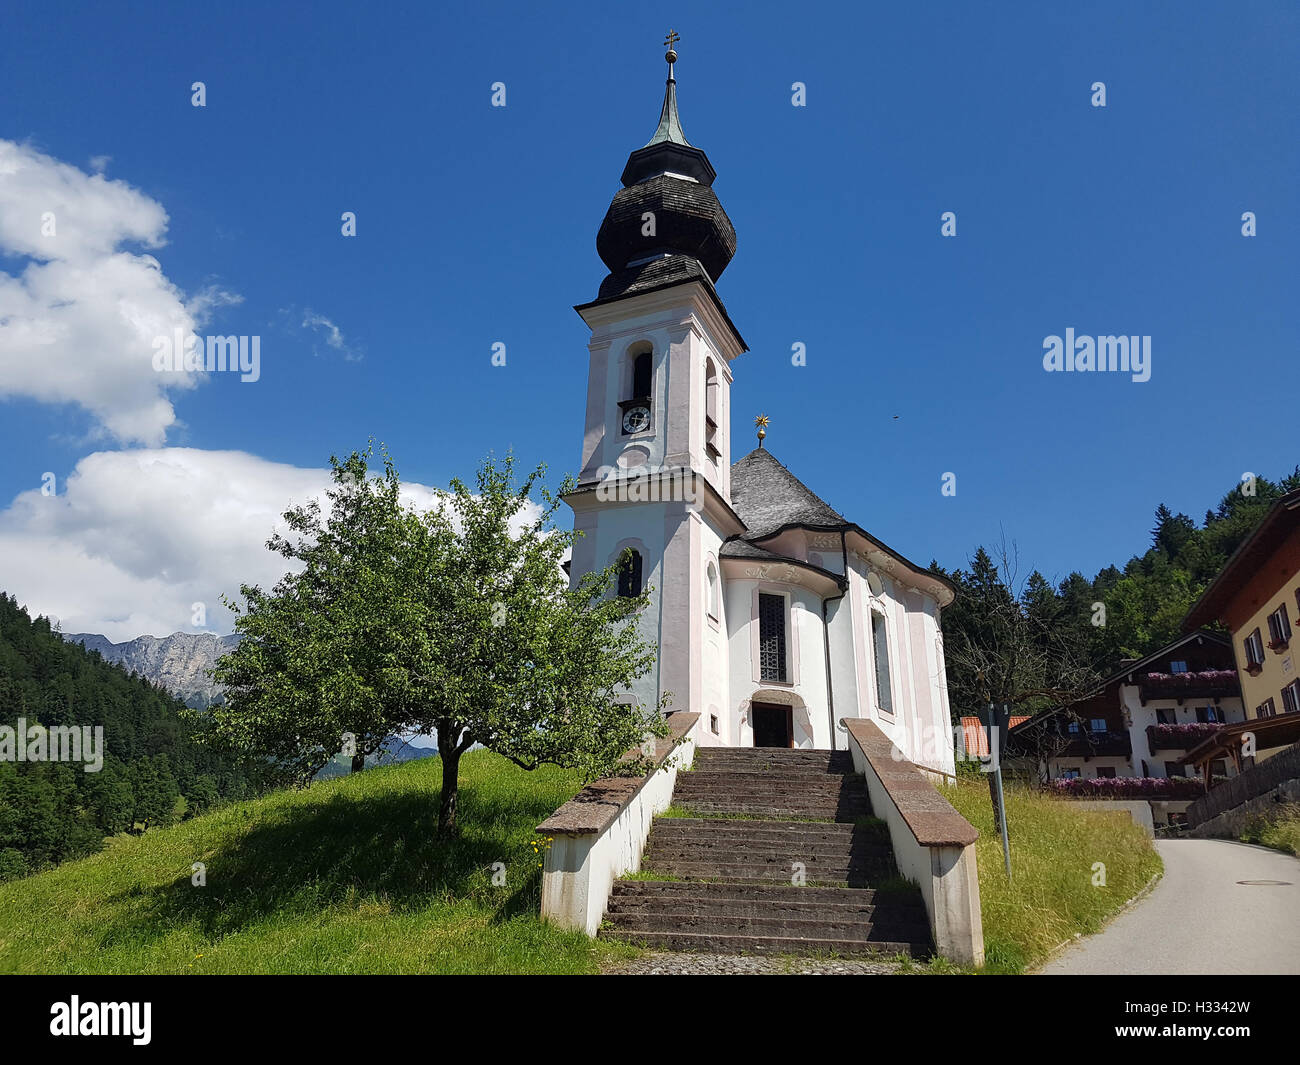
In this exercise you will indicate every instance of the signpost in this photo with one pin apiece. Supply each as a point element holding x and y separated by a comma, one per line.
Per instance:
<point>995,718</point>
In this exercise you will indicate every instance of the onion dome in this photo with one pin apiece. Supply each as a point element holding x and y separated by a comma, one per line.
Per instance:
<point>665,226</point>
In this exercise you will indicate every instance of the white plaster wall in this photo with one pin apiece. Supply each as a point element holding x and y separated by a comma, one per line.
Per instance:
<point>1088,769</point>
<point>580,870</point>
<point>676,435</point>
<point>806,663</point>
<point>612,526</point>
<point>716,672</point>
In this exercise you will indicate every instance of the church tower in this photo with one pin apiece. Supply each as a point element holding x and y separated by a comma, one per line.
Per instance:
<point>656,453</point>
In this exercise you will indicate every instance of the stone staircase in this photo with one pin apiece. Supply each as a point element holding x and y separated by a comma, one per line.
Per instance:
<point>729,868</point>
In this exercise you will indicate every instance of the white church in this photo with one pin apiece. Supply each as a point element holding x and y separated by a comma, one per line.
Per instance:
<point>775,616</point>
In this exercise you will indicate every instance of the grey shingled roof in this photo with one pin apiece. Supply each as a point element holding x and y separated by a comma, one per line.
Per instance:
<point>768,497</point>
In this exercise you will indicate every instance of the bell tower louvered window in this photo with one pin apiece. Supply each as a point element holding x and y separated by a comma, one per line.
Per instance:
<point>629,576</point>
<point>771,637</point>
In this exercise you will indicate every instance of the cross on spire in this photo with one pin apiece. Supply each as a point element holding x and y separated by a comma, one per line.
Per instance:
<point>671,54</point>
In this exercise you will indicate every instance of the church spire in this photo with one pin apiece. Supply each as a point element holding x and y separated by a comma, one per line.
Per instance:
<point>670,125</point>
<point>668,151</point>
<point>665,226</point>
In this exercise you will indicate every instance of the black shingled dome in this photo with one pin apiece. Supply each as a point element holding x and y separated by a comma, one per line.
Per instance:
<point>671,179</point>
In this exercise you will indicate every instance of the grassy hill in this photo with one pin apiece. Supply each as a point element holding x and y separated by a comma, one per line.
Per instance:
<point>1052,896</point>
<point>343,877</point>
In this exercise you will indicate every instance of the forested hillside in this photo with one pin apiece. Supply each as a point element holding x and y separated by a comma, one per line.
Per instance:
<point>153,772</point>
<point>1016,637</point>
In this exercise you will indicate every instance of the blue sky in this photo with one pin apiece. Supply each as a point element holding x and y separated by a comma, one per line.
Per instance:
<point>477,225</point>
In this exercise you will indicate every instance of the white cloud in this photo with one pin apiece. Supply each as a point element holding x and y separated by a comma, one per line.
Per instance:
<point>331,333</point>
<point>136,537</point>
<point>77,325</point>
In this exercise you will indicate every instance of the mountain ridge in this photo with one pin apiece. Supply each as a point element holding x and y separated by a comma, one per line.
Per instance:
<point>179,662</point>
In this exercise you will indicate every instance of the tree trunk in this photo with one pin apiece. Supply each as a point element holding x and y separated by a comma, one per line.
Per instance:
<point>358,762</point>
<point>449,752</point>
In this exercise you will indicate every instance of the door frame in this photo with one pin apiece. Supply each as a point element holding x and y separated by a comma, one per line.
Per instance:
<point>788,715</point>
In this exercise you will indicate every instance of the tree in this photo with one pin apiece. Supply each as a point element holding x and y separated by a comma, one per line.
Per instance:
<point>316,670</point>
<point>511,656</point>
<point>1010,641</point>
<point>456,620</point>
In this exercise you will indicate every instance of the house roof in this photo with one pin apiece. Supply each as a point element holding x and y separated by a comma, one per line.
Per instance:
<point>1282,519</point>
<point>975,737</point>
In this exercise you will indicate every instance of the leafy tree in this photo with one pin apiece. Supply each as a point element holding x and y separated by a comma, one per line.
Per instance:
<point>457,621</point>
<point>509,656</point>
<point>318,667</point>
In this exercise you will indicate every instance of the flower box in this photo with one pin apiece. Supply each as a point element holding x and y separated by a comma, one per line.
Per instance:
<point>1171,788</point>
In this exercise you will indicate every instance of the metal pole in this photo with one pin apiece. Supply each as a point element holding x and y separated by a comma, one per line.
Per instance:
<point>1002,820</point>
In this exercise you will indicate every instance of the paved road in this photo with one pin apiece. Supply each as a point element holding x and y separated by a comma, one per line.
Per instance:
<point>1198,919</point>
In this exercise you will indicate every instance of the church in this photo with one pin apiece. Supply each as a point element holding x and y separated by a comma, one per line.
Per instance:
<point>776,617</point>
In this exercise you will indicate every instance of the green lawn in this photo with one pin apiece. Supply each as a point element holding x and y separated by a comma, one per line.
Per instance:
<point>343,877</point>
<point>1051,897</point>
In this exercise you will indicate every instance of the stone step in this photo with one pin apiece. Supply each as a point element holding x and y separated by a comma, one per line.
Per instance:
<point>740,834</point>
<point>749,784</point>
<point>848,929</point>
<point>768,770</point>
<point>723,849</point>
<point>704,905</point>
<point>832,874</point>
<point>779,811</point>
<point>774,831</point>
<point>742,893</point>
<point>727,944</point>
<point>750,761</point>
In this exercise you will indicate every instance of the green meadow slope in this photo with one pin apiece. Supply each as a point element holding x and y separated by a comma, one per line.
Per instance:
<point>345,876</point>
<point>1060,855</point>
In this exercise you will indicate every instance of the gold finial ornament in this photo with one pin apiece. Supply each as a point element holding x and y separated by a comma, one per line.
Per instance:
<point>671,54</point>
<point>762,422</point>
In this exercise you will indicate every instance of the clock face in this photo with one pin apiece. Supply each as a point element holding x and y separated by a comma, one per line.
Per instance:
<point>635,419</point>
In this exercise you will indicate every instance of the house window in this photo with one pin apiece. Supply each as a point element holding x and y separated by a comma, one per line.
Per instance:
<point>1279,629</point>
<point>629,575</point>
<point>1173,769</point>
<point>1073,726</point>
<point>1266,708</point>
<point>1106,772</point>
<point>1166,716</point>
<point>1219,768</point>
<point>713,723</point>
<point>712,597</point>
<point>1177,667</point>
<point>1209,714</point>
<point>1254,646</point>
<point>1291,698</point>
<point>771,637</point>
<point>880,644</point>
<point>1097,724</point>
<point>1069,774</point>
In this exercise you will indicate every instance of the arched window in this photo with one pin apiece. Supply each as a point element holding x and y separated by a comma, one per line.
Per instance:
<point>880,652</point>
<point>629,575</point>
<point>712,596</point>
<point>711,409</point>
<point>641,367</point>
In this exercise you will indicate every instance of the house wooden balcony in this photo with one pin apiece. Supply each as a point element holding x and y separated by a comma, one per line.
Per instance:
<point>1180,737</point>
<point>1098,744</point>
<point>1207,684</point>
